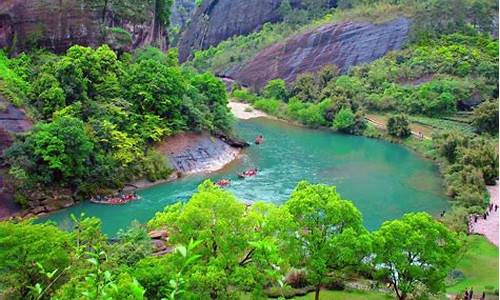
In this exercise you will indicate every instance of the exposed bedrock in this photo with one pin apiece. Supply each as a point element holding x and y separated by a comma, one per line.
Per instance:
<point>343,44</point>
<point>12,121</point>
<point>191,152</point>
<point>217,20</point>
<point>59,24</point>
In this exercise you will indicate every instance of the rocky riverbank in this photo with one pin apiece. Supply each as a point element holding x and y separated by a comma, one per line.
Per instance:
<point>188,153</point>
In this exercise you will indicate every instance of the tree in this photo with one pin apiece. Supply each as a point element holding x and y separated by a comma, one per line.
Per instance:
<point>47,95</point>
<point>485,117</point>
<point>276,89</point>
<point>398,126</point>
<point>305,88</point>
<point>23,246</point>
<point>415,250</point>
<point>330,233</point>
<point>61,152</point>
<point>344,120</point>
<point>240,247</point>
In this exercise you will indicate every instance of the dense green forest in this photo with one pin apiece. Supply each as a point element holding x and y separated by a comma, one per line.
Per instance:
<point>99,114</point>
<point>226,249</point>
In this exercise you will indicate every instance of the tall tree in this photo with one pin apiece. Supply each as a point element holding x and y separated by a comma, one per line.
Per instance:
<point>330,233</point>
<point>415,250</point>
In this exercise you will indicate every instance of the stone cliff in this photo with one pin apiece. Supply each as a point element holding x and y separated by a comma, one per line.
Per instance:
<point>217,20</point>
<point>12,121</point>
<point>182,11</point>
<point>344,44</point>
<point>58,24</point>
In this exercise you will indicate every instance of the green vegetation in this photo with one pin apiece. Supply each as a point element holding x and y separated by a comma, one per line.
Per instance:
<point>429,82</point>
<point>225,249</point>
<point>398,126</point>
<point>431,19</point>
<point>478,267</point>
<point>100,116</point>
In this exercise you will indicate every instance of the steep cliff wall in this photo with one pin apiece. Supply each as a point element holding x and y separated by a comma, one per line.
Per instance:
<point>217,20</point>
<point>182,11</point>
<point>345,44</point>
<point>58,24</point>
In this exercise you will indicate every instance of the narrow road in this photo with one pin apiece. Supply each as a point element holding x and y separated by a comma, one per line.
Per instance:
<point>382,125</point>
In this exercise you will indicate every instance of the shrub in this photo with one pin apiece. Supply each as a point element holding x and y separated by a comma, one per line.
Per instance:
<point>344,120</point>
<point>398,126</point>
<point>276,89</point>
<point>485,117</point>
<point>270,106</point>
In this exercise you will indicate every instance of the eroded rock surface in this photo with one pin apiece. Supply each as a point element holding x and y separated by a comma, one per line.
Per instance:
<point>197,152</point>
<point>12,121</point>
<point>59,24</point>
<point>217,20</point>
<point>343,44</point>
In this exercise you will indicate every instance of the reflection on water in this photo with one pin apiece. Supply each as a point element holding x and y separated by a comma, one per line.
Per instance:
<point>383,180</point>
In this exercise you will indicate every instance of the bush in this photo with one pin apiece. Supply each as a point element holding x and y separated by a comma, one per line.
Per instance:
<point>276,89</point>
<point>398,126</point>
<point>270,106</point>
<point>485,117</point>
<point>344,120</point>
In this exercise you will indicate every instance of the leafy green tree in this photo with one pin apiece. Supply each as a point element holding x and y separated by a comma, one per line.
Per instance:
<point>326,74</point>
<point>23,247</point>
<point>481,154</point>
<point>448,143</point>
<point>398,126</point>
<point>60,151</point>
<point>344,120</point>
<point>330,234</point>
<point>415,250</point>
<point>485,117</point>
<point>47,95</point>
<point>240,248</point>
<point>305,88</point>
<point>276,89</point>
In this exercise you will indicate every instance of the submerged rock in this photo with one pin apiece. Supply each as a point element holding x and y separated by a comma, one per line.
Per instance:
<point>343,44</point>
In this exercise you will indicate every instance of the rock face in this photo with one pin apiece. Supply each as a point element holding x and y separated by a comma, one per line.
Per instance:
<point>58,24</point>
<point>182,11</point>
<point>217,20</point>
<point>344,44</point>
<point>12,121</point>
<point>191,153</point>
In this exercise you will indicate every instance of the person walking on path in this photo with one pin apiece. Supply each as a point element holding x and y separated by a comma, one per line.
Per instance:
<point>487,224</point>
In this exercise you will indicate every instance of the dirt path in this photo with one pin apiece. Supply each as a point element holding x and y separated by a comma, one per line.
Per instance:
<point>417,131</point>
<point>245,111</point>
<point>488,227</point>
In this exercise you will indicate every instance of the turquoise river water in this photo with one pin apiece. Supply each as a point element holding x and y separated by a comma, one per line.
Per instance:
<point>383,180</point>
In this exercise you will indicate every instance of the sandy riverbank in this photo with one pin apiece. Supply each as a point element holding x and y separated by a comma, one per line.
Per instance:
<point>245,111</point>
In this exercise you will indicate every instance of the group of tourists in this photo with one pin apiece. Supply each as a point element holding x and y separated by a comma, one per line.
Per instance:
<point>469,294</point>
<point>248,173</point>
<point>491,207</point>
<point>120,198</point>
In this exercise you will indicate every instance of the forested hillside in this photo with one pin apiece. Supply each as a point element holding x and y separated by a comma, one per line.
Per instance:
<point>97,88</point>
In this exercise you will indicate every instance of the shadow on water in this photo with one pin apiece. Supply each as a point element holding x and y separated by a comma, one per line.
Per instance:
<point>384,180</point>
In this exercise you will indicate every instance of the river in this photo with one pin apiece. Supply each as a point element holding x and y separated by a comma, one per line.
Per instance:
<point>383,180</point>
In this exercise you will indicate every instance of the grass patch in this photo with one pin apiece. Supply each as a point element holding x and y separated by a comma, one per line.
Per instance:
<point>479,266</point>
<point>341,295</point>
<point>348,295</point>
